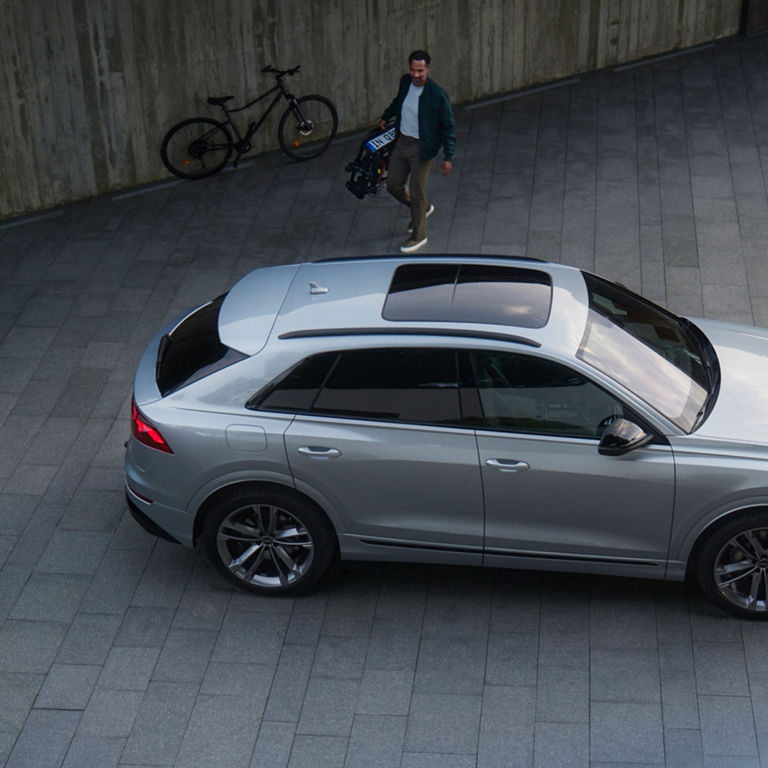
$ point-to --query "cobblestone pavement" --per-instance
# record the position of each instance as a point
(117, 649)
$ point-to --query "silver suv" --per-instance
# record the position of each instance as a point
(455, 409)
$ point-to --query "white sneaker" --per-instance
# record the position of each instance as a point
(429, 213)
(412, 244)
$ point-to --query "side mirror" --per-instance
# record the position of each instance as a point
(622, 436)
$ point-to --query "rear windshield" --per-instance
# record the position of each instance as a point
(193, 349)
(469, 293)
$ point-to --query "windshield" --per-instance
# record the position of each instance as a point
(648, 350)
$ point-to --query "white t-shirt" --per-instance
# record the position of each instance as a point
(409, 113)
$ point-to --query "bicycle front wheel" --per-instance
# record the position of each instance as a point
(307, 127)
(196, 148)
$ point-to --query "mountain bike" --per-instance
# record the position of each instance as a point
(201, 146)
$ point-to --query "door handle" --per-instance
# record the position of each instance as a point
(508, 465)
(319, 452)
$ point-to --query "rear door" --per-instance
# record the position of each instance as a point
(382, 442)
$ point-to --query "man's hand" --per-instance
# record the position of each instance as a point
(447, 165)
(382, 124)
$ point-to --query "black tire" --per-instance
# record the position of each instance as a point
(307, 128)
(196, 148)
(269, 540)
(732, 567)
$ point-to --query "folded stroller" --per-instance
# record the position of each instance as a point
(369, 169)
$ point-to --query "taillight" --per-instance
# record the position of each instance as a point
(145, 433)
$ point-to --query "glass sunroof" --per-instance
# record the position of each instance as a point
(469, 293)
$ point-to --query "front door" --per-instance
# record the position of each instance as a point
(550, 498)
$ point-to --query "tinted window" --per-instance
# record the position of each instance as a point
(414, 385)
(297, 389)
(193, 349)
(469, 293)
(521, 393)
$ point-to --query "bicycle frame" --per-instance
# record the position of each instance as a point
(256, 124)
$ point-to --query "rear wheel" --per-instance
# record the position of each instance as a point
(270, 541)
(733, 566)
(196, 148)
(307, 127)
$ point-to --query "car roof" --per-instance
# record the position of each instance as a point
(341, 296)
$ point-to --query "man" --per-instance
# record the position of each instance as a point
(424, 122)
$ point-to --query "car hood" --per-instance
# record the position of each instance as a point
(741, 409)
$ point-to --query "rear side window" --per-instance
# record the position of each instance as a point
(410, 385)
(469, 293)
(193, 349)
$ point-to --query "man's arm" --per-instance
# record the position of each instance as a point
(448, 131)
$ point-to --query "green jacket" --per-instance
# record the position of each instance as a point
(435, 118)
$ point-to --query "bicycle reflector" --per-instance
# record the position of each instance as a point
(145, 433)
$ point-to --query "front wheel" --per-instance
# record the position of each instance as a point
(196, 148)
(269, 540)
(307, 127)
(733, 566)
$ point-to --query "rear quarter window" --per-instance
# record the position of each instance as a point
(193, 350)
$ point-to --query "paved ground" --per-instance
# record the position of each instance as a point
(120, 650)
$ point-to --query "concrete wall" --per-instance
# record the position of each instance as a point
(89, 87)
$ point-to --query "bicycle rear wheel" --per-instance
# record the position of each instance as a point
(307, 127)
(196, 148)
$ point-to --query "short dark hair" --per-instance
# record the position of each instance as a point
(420, 56)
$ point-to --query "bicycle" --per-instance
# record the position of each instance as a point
(200, 146)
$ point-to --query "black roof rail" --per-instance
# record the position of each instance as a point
(408, 331)
(417, 256)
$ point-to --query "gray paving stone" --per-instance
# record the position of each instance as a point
(561, 745)
(506, 735)
(94, 752)
(255, 637)
(289, 684)
(443, 723)
(160, 724)
(110, 714)
(128, 669)
(29, 646)
(625, 675)
(184, 656)
(455, 665)
(682, 748)
(144, 627)
(340, 657)
(385, 692)
(720, 669)
(68, 686)
(376, 742)
(720, 734)
(114, 583)
(328, 707)
(221, 733)
(562, 695)
(44, 740)
(311, 751)
(626, 732)
(74, 552)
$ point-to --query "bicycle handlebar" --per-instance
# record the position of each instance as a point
(281, 72)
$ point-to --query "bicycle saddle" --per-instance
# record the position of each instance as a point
(220, 101)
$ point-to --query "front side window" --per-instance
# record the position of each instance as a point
(648, 350)
(521, 393)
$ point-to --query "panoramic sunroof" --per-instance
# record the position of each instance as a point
(469, 293)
